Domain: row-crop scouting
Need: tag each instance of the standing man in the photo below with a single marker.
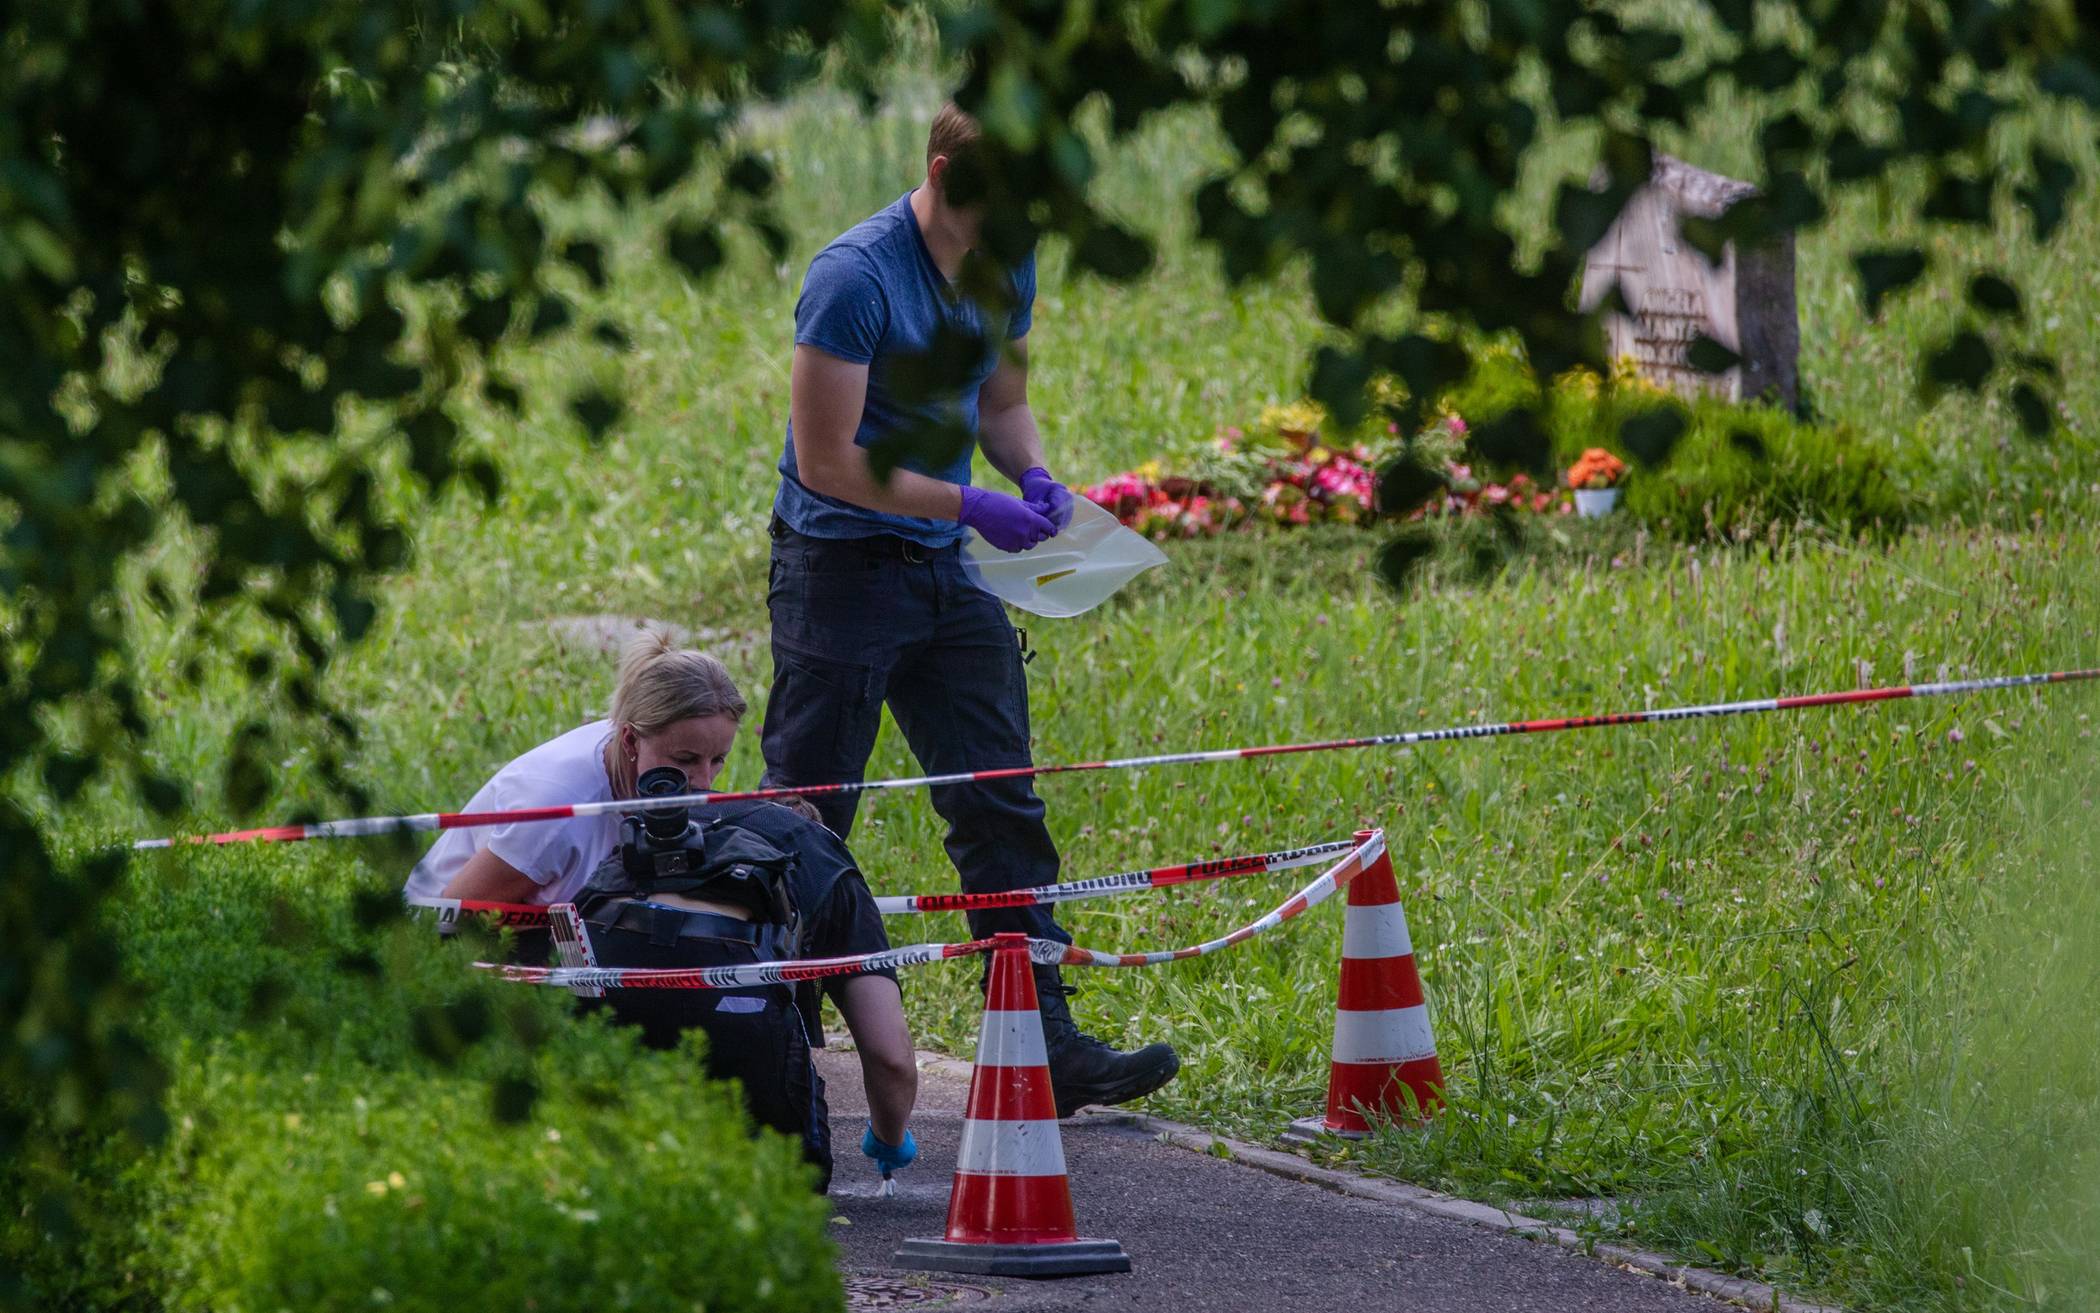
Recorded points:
(869, 601)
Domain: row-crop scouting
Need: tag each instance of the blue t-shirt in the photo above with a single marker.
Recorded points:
(870, 297)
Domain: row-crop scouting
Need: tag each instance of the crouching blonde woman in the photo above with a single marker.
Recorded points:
(680, 708)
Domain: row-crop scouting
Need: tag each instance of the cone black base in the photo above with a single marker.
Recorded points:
(1064, 1258)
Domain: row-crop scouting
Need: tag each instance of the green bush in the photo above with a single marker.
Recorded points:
(632, 1186)
(1739, 471)
(320, 1047)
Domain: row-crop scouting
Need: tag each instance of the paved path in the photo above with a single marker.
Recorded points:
(1206, 1234)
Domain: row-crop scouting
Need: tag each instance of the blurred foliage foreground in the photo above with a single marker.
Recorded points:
(254, 257)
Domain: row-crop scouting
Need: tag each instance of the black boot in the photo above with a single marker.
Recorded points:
(1083, 1070)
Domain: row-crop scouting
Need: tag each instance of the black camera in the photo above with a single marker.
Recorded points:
(663, 850)
(661, 841)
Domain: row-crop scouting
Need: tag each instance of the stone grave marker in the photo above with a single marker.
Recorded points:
(1746, 302)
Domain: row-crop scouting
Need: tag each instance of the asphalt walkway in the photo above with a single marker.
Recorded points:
(1203, 1233)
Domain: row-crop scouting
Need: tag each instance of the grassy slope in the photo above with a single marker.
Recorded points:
(1684, 963)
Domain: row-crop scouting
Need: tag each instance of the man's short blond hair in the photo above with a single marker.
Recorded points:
(954, 134)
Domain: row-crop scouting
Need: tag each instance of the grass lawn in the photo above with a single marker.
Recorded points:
(1799, 990)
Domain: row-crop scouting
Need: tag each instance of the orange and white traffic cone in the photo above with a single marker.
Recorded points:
(1384, 1060)
(1010, 1212)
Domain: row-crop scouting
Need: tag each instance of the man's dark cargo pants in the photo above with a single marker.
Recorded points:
(863, 622)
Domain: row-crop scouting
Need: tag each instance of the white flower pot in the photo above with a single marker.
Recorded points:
(1593, 502)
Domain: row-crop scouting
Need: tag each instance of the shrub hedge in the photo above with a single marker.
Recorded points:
(632, 1186)
(359, 1120)
(1735, 471)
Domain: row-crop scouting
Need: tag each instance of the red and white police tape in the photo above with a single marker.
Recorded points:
(1103, 886)
(451, 911)
(745, 976)
(380, 825)
(1046, 951)
(1362, 854)
(525, 916)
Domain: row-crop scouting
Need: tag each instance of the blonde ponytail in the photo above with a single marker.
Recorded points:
(662, 684)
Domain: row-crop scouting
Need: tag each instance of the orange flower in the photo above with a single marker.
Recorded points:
(1596, 468)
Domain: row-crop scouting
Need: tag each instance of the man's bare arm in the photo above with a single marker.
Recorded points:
(826, 396)
(1005, 425)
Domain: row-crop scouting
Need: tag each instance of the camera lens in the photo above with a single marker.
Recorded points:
(664, 823)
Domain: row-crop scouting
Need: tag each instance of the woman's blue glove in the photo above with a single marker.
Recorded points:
(889, 1157)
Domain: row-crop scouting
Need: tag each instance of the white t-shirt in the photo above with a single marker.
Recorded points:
(558, 855)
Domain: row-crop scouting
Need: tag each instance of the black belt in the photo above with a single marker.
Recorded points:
(666, 925)
(884, 546)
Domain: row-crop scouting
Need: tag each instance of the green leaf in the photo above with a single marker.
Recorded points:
(1406, 484)
(1338, 383)
(1583, 216)
(372, 908)
(608, 334)
(597, 410)
(245, 781)
(1709, 356)
(951, 359)
(1209, 18)
(695, 247)
(432, 437)
(2046, 197)
(549, 315)
(773, 237)
(1650, 435)
(1514, 439)
(486, 478)
(749, 174)
(445, 1031)
(65, 774)
(1885, 271)
(511, 1099)
(1993, 295)
(384, 547)
(486, 317)
(1404, 555)
(2040, 365)
(1964, 362)
(503, 394)
(1955, 199)
(162, 796)
(588, 257)
(1113, 252)
(1852, 159)
(1767, 67)
(1739, 16)
(928, 447)
(2072, 78)
(354, 613)
(2037, 416)
(1709, 237)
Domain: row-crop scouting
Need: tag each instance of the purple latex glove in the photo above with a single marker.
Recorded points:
(1048, 496)
(1007, 523)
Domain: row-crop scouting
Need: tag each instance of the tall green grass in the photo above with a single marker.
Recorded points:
(1744, 976)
